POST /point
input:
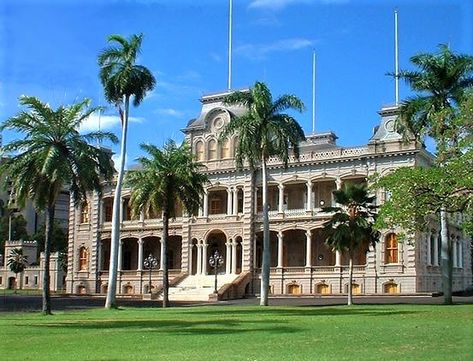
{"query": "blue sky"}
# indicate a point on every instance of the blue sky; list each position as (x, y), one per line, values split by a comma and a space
(49, 49)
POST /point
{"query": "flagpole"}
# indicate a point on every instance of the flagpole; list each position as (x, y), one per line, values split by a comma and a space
(396, 56)
(230, 44)
(313, 91)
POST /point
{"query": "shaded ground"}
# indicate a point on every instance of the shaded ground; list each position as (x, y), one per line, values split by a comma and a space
(21, 303)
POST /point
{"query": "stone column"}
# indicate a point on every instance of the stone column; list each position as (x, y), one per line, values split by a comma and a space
(338, 258)
(161, 257)
(436, 250)
(229, 201)
(190, 254)
(235, 201)
(460, 254)
(120, 246)
(234, 256)
(280, 249)
(308, 251)
(455, 253)
(228, 258)
(100, 256)
(429, 250)
(338, 183)
(142, 216)
(199, 259)
(204, 258)
(140, 254)
(206, 204)
(281, 198)
(309, 196)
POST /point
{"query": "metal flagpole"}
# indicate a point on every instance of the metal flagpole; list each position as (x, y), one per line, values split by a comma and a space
(396, 56)
(230, 45)
(313, 92)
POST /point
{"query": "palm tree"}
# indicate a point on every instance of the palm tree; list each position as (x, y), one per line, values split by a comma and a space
(53, 156)
(122, 79)
(17, 263)
(168, 177)
(351, 226)
(442, 81)
(264, 131)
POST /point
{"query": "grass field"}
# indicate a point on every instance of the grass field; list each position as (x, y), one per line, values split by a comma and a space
(375, 332)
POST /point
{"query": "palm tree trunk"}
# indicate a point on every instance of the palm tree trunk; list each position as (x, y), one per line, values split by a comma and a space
(265, 267)
(446, 258)
(165, 256)
(48, 225)
(350, 280)
(111, 301)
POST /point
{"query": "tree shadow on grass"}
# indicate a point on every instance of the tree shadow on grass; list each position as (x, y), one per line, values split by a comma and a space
(177, 327)
(306, 311)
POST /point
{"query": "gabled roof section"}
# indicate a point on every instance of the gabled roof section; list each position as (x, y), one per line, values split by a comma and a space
(210, 104)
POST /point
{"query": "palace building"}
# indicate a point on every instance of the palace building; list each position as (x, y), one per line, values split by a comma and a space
(230, 221)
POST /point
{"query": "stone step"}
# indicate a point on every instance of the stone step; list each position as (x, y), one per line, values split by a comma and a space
(197, 287)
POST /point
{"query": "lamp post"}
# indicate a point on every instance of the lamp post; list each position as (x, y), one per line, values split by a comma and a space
(215, 261)
(150, 262)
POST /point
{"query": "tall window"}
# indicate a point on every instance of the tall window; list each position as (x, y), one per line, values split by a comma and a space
(83, 259)
(212, 149)
(199, 151)
(226, 149)
(391, 249)
(108, 209)
(84, 215)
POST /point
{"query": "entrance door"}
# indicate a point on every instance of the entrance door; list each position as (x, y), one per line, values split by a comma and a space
(294, 289)
(11, 283)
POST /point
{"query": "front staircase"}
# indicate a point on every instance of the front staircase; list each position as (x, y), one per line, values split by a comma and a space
(198, 287)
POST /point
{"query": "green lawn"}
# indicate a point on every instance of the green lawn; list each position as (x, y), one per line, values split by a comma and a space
(388, 332)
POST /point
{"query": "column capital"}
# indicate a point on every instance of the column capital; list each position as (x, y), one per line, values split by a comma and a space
(140, 240)
(280, 234)
(308, 233)
(281, 185)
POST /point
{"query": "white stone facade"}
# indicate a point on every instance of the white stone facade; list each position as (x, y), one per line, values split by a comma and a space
(230, 221)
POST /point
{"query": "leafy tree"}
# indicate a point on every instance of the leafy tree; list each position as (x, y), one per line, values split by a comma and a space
(58, 238)
(264, 131)
(444, 82)
(168, 177)
(351, 225)
(17, 223)
(17, 263)
(51, 156)
(122, 79)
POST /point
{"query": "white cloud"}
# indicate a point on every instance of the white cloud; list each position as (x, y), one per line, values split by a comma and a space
(169, 112)
(274, 4)
(104, 122)
(116, 161)
(281, 4)
(260, 51)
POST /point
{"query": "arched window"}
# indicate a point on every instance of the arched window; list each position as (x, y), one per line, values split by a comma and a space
(83, 259)
(391, 250)
(212, 149)
(391, 288)
(294, 289)
(84, 214)
(199, 151)
(225, 149)
(107, 209)
(323, 289)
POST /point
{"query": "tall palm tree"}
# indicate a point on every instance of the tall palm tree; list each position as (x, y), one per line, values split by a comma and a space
(351, 225)
(264, 131)
(442, 81)
(122, 79)
(17, 263)
(168, 177)
(53, 156)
